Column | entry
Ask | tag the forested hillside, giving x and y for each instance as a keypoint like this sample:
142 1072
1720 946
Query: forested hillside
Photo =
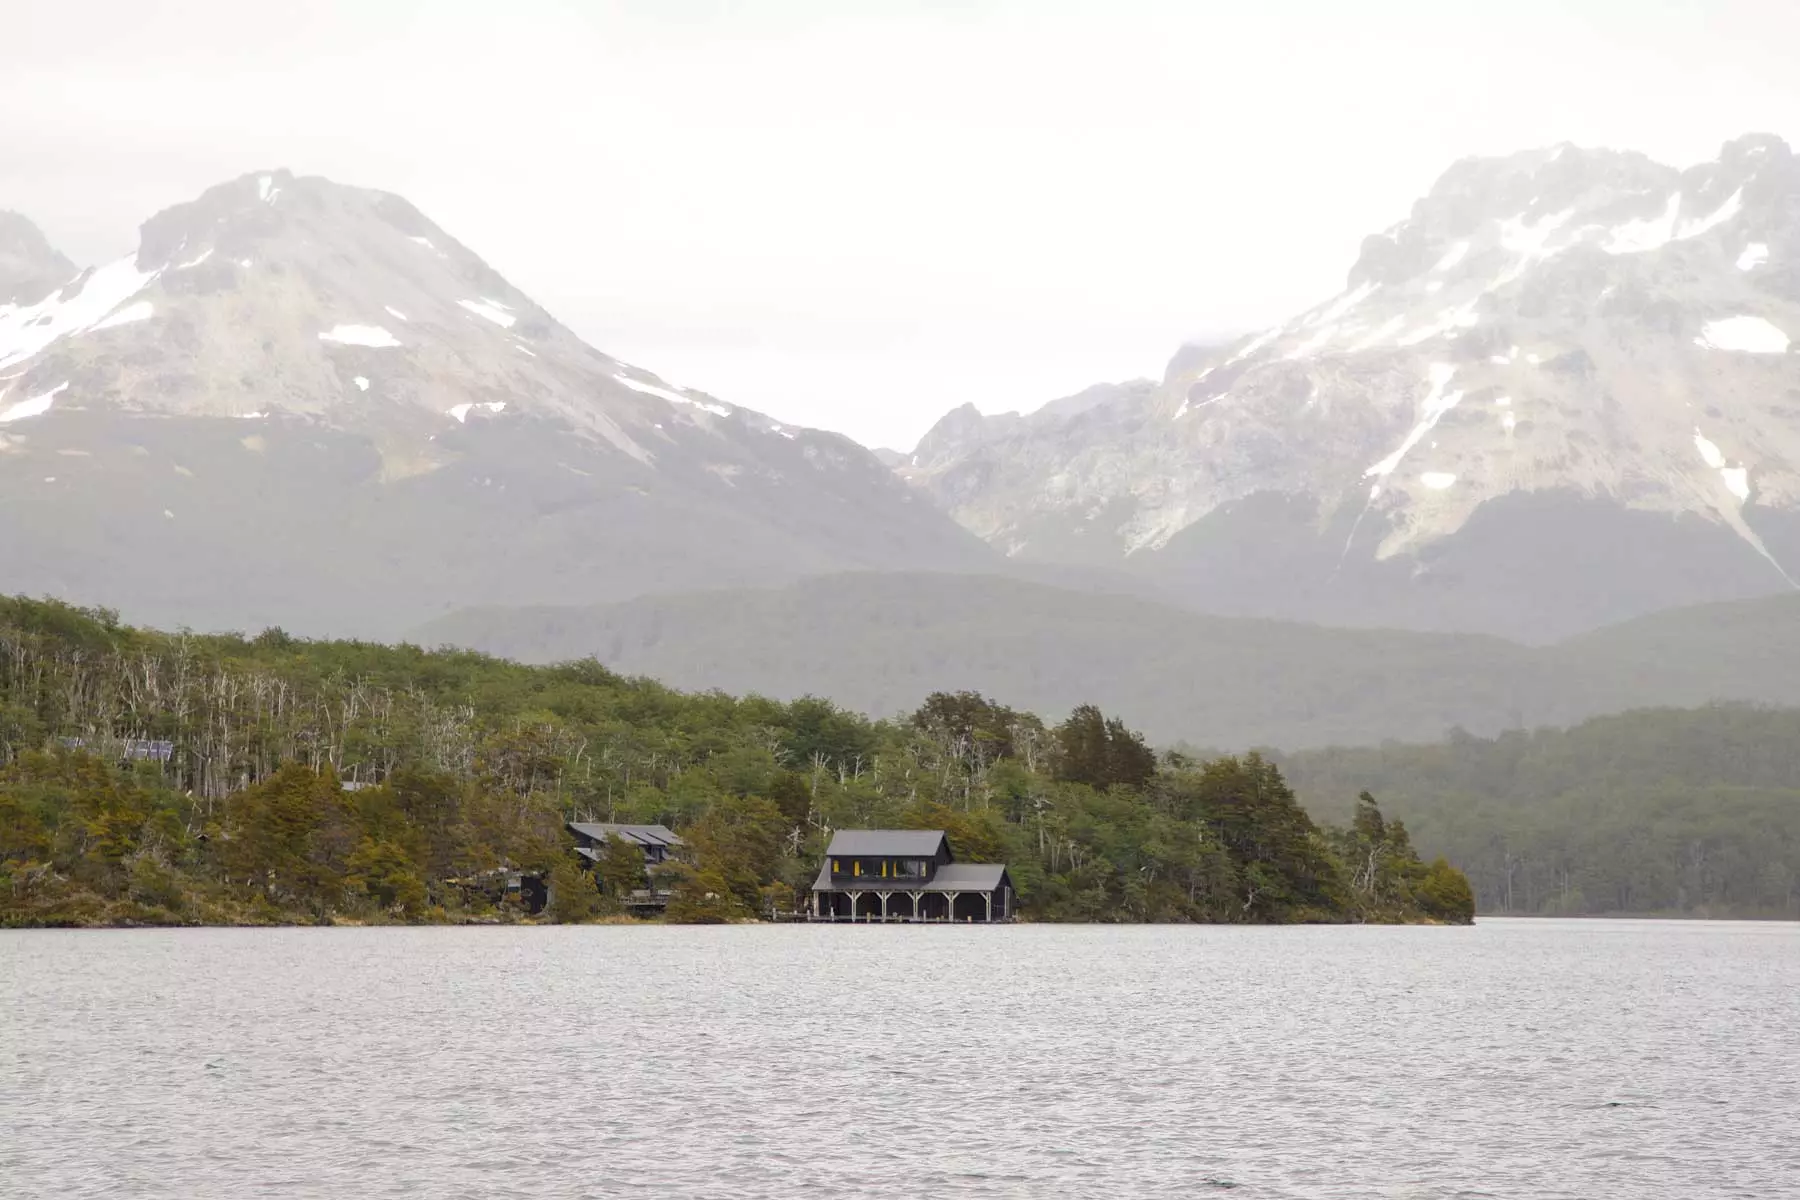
165 778
880 643
1690 811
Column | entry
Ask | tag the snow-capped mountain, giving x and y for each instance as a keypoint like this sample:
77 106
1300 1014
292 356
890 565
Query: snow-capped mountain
304 403
1564 390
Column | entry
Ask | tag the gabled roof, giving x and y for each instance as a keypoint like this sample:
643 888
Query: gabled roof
638 835
887 843
967 877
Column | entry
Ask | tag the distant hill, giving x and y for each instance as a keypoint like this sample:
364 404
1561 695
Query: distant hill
1654 811
880 642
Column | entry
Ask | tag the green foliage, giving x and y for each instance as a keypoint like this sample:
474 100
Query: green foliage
1444 893
386 873
573 894
1099 752
704 896
620 870
1658 811
466 769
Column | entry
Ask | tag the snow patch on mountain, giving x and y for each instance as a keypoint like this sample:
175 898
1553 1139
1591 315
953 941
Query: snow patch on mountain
663 393
1755 255
1437 403
1639 237
491 310
143 310
36 406
75 308
1747 335
373 336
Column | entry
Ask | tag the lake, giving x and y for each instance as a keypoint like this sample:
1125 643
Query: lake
1580 1059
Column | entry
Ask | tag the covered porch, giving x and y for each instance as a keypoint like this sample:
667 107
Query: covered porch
962 893
906 907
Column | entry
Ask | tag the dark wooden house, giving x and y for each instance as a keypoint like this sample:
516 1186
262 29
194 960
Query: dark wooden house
656 841
906 875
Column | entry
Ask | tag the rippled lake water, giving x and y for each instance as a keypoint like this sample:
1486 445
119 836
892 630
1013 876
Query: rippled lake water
1516 1059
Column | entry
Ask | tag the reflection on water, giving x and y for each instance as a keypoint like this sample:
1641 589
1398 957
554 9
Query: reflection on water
1520 1058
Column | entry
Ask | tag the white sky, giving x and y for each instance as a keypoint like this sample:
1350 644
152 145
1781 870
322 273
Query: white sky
857 216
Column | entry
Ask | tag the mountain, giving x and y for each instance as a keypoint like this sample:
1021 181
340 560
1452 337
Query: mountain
1562 392
304 404
880 643
30 268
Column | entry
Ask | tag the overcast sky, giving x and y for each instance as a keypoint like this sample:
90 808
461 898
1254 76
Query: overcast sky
859 215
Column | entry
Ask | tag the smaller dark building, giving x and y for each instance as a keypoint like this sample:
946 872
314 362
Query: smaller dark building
906 875
656 841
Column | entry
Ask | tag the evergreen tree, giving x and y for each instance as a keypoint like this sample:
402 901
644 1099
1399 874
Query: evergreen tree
573 896
620 870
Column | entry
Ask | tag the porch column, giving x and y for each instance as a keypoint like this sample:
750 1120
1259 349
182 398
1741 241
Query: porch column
989 897
884 899
918 913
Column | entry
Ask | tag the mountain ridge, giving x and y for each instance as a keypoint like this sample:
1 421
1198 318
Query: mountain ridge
304 404
1554 341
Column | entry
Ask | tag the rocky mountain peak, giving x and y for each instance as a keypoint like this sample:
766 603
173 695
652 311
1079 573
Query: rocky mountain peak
30 267
1575 321
960 428
284 354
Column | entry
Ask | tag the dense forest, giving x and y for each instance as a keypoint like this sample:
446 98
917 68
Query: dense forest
1693 812
151 778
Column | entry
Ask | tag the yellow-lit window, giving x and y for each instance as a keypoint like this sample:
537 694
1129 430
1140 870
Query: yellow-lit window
837 868
856 867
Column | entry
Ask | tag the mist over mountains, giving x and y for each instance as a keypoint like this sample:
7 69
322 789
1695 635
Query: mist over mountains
1556 398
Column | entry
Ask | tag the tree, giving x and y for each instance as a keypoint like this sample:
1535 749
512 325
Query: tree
702 896
620 870
1445 894
1101 752
384 872
573 896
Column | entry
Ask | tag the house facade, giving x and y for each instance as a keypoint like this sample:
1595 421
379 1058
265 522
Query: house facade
907 875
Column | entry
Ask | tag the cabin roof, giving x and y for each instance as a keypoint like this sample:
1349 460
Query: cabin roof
886 843
951 877
970 877
639 835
